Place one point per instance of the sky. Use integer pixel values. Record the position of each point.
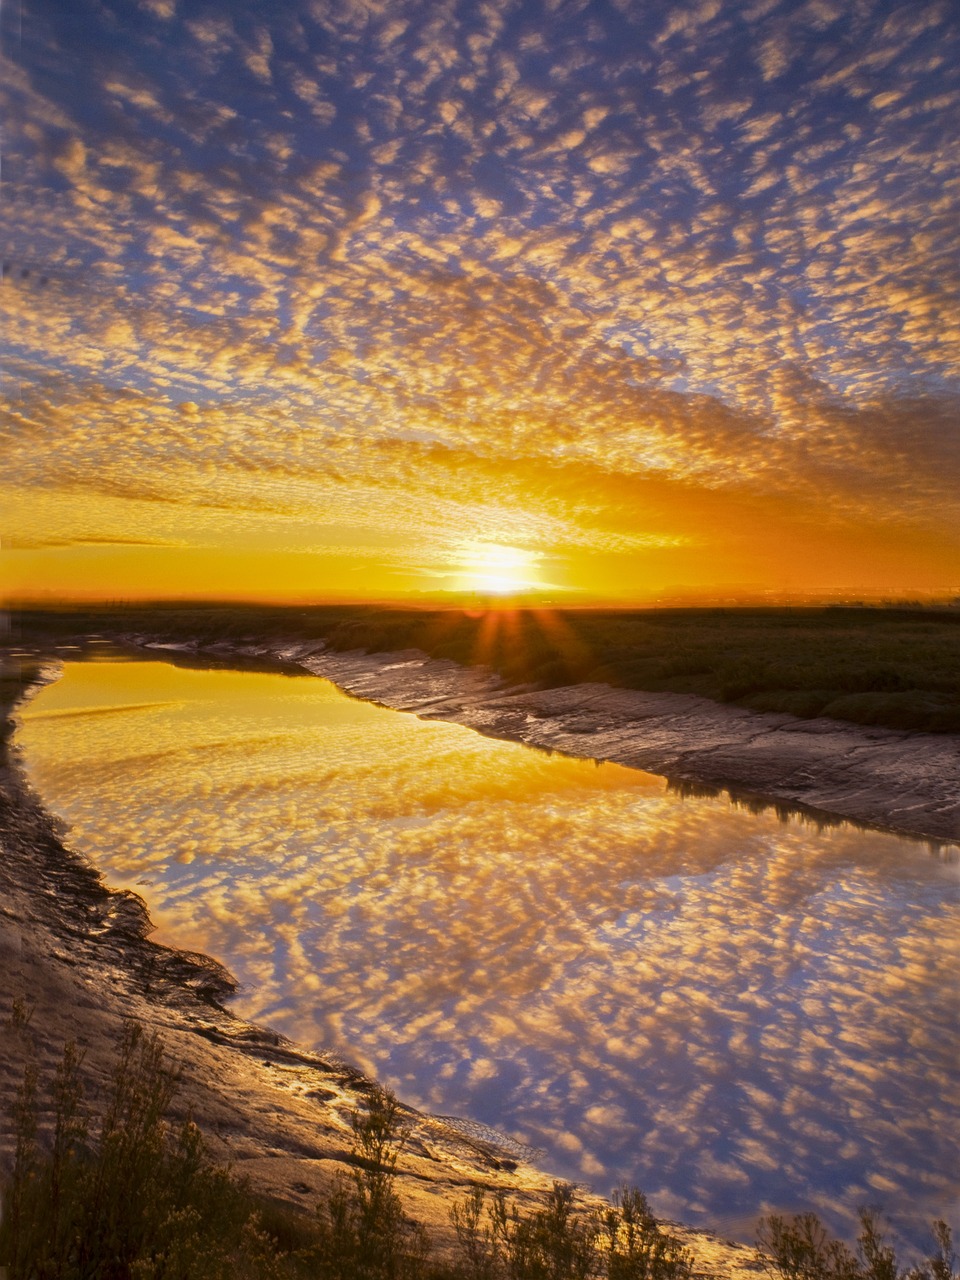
(596, 300)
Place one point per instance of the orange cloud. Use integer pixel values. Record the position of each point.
(375, 228)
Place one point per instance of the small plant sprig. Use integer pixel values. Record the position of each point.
(21, 1013)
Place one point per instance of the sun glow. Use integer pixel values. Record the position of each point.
(494, 569)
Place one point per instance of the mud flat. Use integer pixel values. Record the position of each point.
(77, 957)
(894, 780)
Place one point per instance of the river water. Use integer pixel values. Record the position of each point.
(736, 1013)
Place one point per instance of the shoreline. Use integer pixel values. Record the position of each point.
(827, 771)
(78, 954)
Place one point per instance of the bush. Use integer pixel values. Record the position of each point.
(134, 1202)
(801, 1248)
(551, 1244)
(636, 1247)
(622, 1242)
(363, 1230)
(129, 1198)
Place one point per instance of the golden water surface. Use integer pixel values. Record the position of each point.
(733, 1012)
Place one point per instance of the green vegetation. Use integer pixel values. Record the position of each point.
(132, 1200)
(622, 1242)
(897, 667)
(127, 1197)
(801, 1248)
(363, 1230)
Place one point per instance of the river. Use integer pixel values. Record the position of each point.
(736, 1013)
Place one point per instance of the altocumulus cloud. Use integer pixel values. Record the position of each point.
(710, 246)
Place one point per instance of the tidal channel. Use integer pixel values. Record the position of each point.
(734, 1012)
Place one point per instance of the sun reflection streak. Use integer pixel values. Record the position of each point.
(733, 1012)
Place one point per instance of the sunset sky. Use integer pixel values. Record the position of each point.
(383, 299)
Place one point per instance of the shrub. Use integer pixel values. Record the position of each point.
(551, 1244)
(363, 1230)
(134, 1202)
(801, 1248)
(941, 1265)
(478, 1245)
(621, 1242)
(635, 1246)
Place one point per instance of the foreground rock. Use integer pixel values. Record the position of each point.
(76, 961)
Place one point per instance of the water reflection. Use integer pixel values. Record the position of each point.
(733, 1012)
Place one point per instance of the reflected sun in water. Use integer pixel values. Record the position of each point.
(735, 1013)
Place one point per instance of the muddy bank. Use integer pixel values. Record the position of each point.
(891, 779)
(77, 957)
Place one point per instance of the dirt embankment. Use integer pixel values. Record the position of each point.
(77, 959)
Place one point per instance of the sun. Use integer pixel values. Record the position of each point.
(494, 569)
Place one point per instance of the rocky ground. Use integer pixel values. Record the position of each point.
(76, 960)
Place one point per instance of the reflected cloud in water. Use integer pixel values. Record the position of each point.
(734, 1012)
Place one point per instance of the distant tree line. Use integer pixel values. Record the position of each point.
(897, 667)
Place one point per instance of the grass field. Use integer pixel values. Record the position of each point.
(894, 667)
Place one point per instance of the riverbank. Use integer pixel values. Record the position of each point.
(77, 958)
(889, 779)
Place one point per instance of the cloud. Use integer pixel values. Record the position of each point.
(164, 9)
(606, 240)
